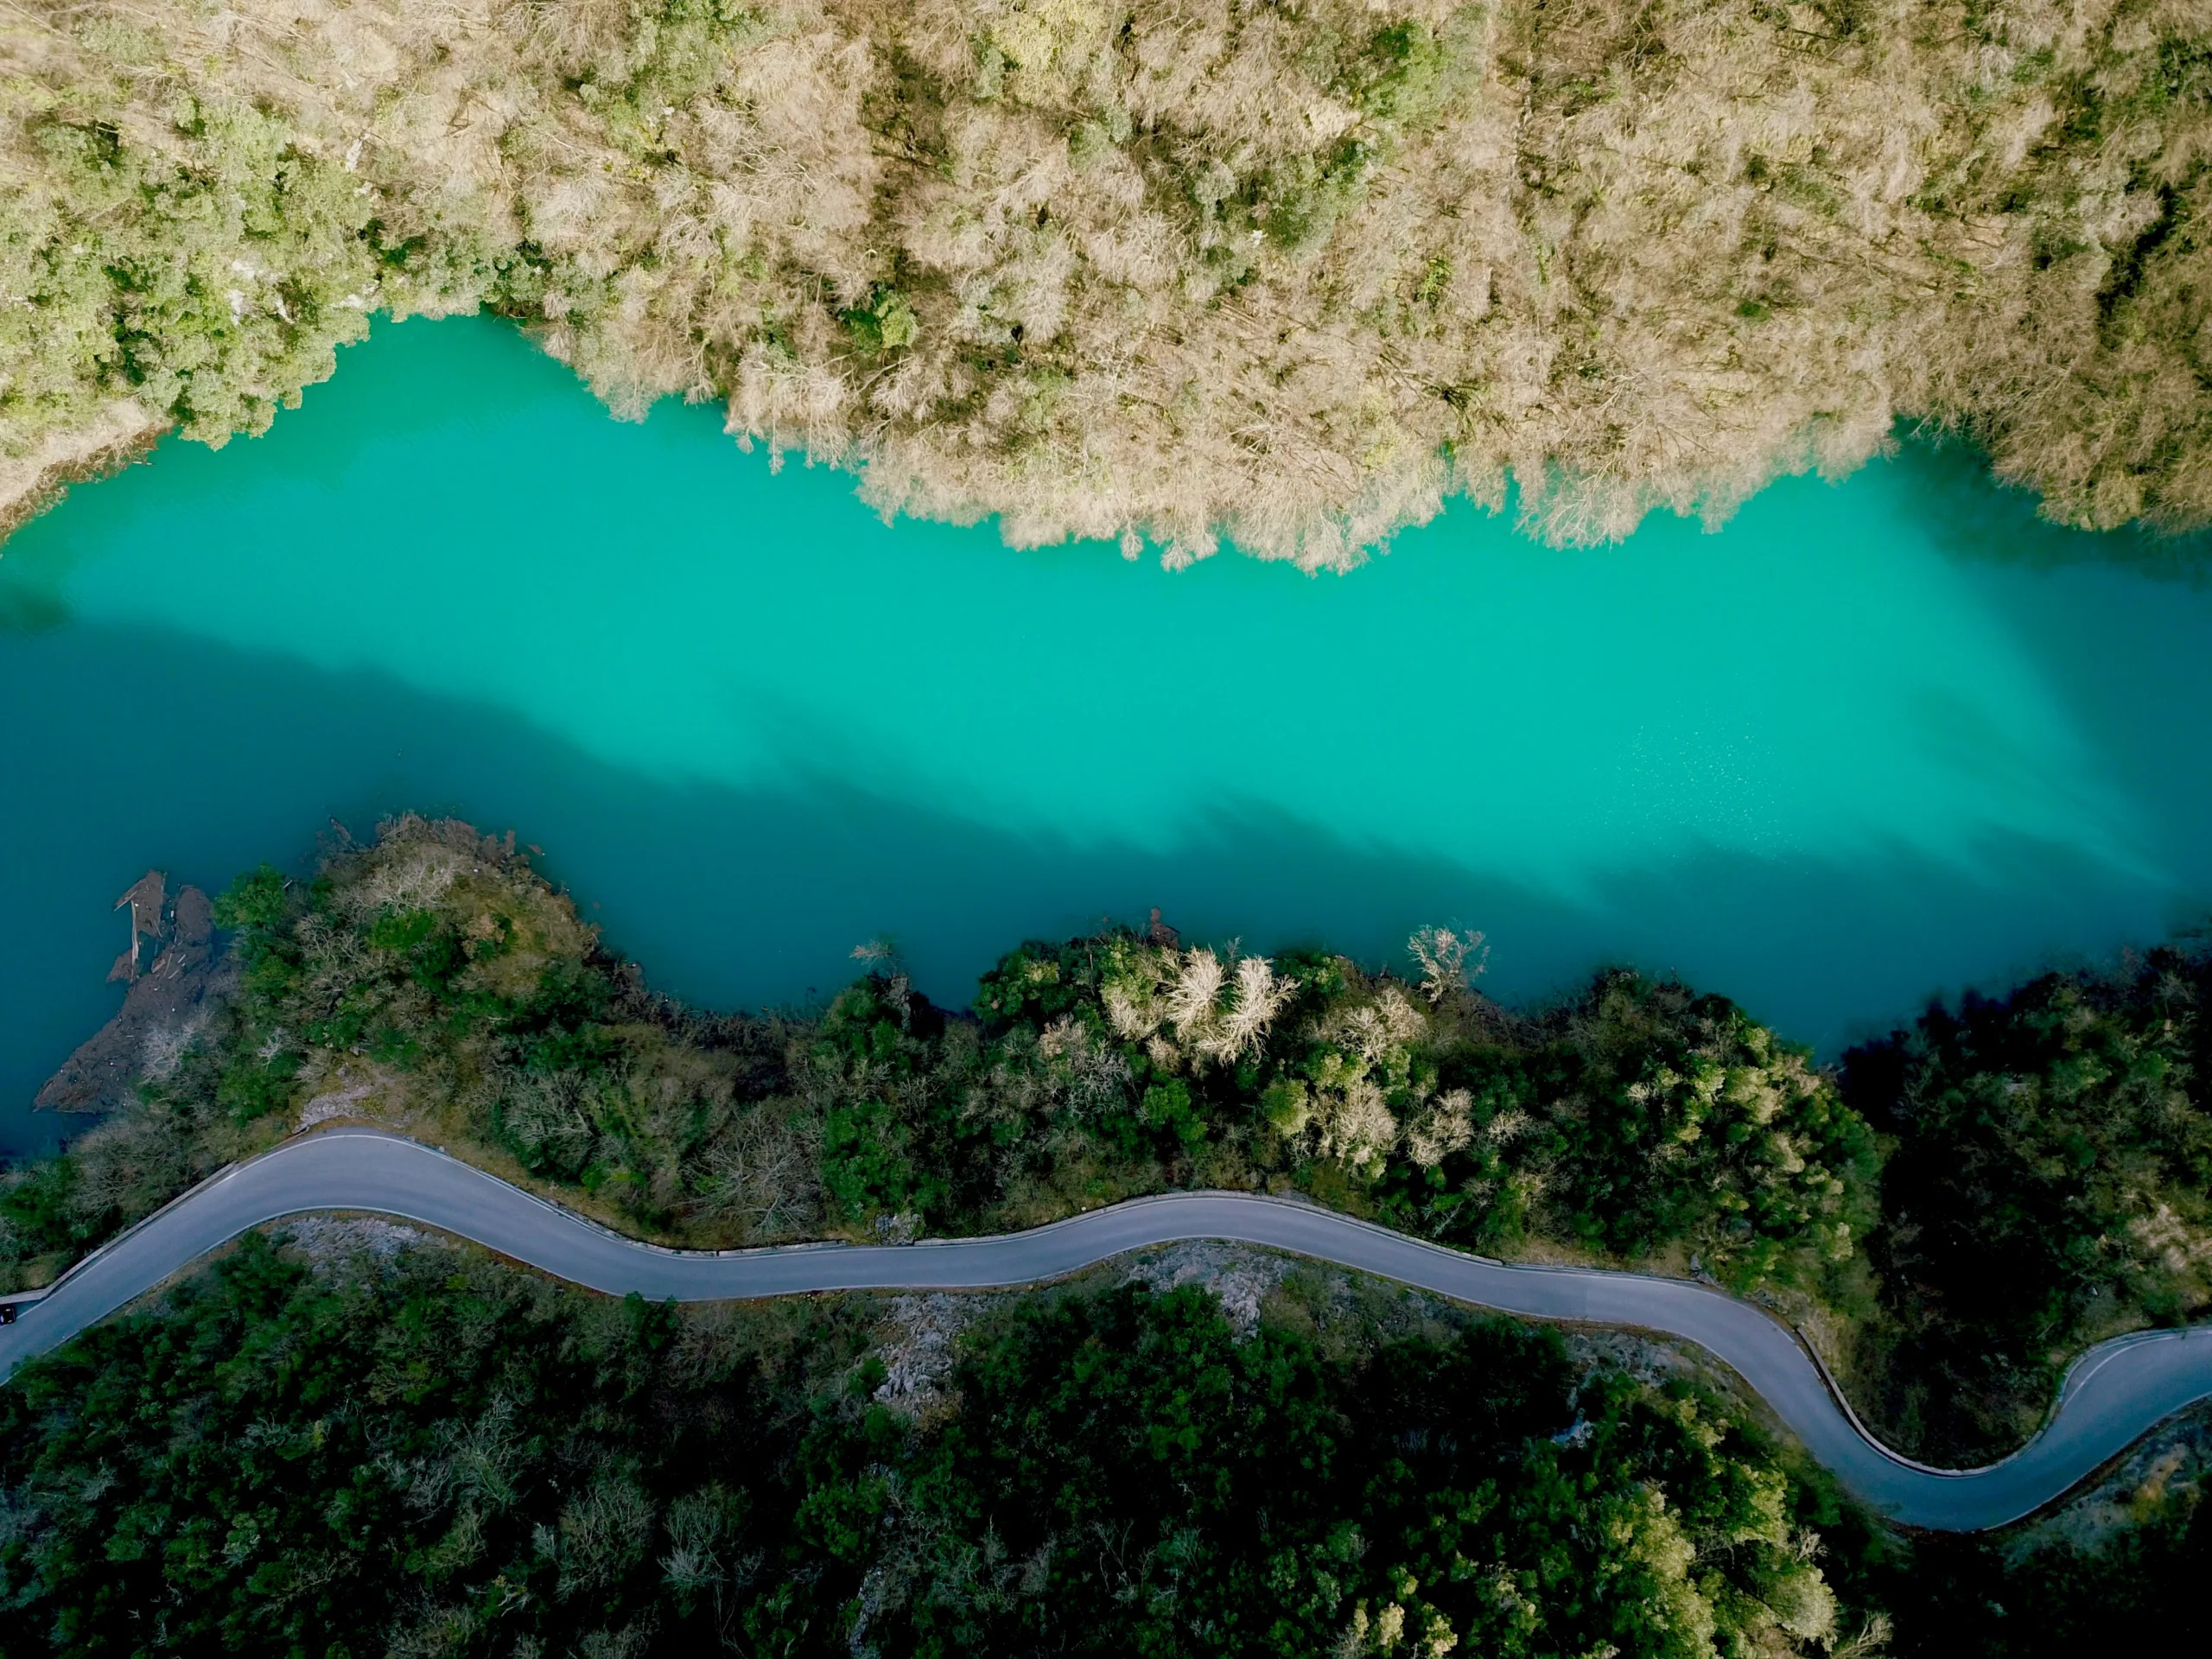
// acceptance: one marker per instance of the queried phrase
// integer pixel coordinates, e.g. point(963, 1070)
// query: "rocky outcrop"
point(174, 973)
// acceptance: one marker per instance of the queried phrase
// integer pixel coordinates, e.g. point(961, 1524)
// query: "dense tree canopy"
point(2052, 1183)
point(418, 1451)
point(1157, 269)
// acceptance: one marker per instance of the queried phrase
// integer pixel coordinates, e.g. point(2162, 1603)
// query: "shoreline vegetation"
point(406, 1447)
point(348, 1435)
point(1284, 274)
point(1950, 1214)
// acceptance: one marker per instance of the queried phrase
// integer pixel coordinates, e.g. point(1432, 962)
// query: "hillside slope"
point(1162, 271)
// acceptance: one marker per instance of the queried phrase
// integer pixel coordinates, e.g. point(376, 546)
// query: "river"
point(1872, 742)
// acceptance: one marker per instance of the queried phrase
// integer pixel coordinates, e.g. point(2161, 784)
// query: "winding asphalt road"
point(2116, 1391)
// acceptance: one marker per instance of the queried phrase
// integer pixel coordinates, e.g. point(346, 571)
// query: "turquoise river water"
point(1872, 742)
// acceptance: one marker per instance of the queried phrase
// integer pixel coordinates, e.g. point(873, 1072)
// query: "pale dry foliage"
point(604, 1530)
point(1165, 271)
point(1448, 960)
point(1441, 1126)
point(764, 1171)
point(1191, 1010)
point(1190, 1007)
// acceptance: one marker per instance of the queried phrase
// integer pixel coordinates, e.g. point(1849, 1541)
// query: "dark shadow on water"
point(128, 748)
point(31, 606)
point(1972, 514)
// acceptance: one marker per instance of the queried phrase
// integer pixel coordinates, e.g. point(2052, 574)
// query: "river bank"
point(1168, 275)
point(1923, 1215)
point(432, 982)
point(30, 483)
point(1868, 743)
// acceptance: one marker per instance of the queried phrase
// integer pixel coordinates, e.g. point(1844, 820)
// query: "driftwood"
point(147, 898)
point(172, 970)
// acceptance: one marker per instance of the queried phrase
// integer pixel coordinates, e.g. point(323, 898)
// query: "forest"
point(1285, 273)
point(1951, 1214)
point(348, 1439)
point(395, 1446)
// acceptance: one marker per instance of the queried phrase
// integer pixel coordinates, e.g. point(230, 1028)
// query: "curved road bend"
point(2117, 1390)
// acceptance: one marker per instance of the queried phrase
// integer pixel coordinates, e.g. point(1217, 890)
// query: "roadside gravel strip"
point(2116, 1392)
